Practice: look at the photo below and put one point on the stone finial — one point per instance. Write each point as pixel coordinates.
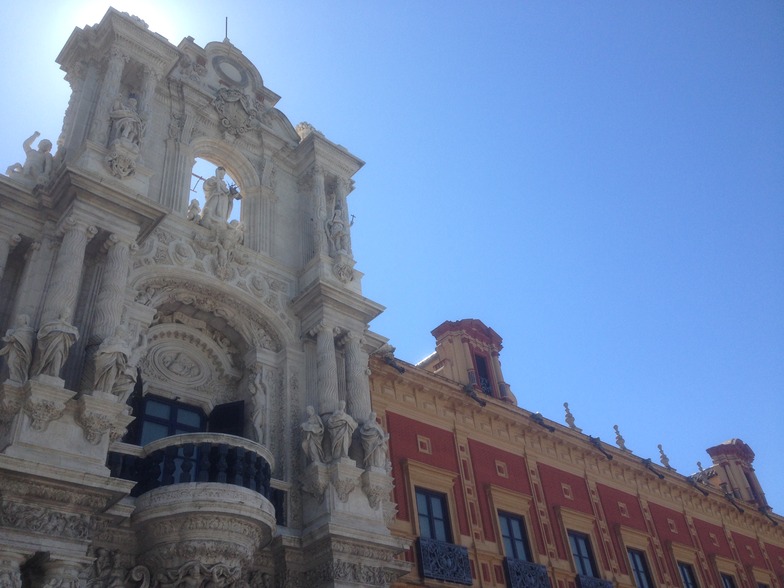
(619, 440)
(570, 418)
(665, 461)
(699, 467)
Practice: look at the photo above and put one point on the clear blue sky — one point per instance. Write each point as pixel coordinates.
(600, 182)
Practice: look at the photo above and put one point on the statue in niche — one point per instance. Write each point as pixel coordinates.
(38, 164)
(219, 198)
(341, 428)
(127, 125)
(313, 436)
(19, 349)
(258, 399)
(338, 231)
(55, 339)
(111, 360)
(374, 443)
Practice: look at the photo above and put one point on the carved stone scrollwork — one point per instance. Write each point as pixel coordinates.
(42, 411)
(10, 402)
(376, 486)
(196, 574)
(343, 272)
(94, 423)
(42, 520)
(238, 112)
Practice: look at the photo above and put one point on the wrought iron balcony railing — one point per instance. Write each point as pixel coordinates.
(443, 561)
(525, 574)
(195, 457)
(591, 582)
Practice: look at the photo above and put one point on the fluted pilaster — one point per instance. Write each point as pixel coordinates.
(99, 130)
(326, 368)
(109, 306)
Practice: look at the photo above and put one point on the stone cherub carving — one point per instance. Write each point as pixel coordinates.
(258, 398)
(55, 339)
(111, 360)
(313, 436)
(18, 349)
(219, 198)
(38, 164)
(341, 427)
(374, 443)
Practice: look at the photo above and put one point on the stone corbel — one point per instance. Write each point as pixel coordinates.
(97, 416)
(44, 403)
(11, 398)
(315, 481)
(376, 485)
(344, 477)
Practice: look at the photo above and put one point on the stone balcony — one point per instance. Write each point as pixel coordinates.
(199, 496)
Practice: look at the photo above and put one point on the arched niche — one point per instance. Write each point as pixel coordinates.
(222, 153)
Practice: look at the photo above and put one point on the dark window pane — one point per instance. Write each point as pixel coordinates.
(152, 432)
(687, 575)
(433, 520)
(727, 581)
(581, 551)
(514, 537)
(642, 576)
(188, 417)
(157, 409)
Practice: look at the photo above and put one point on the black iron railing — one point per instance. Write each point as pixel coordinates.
(591, 582)
(524, 574)
(443, 561)
(196, 457)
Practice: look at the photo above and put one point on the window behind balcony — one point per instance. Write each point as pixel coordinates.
(514, 536)
(688, 576)
(433, 515)
(582, 553)
(160, 417)
(640, 571)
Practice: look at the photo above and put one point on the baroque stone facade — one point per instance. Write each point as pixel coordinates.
(160, 355)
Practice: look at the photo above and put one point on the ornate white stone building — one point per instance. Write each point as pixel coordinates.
(160, 361)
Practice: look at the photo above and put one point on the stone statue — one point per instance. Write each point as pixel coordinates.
(126, 122)
(54, 342)
(258, 398)
(374, 443)
(38, 164)
(218, 197)
(341, 427)
(19, 349)
(338, 232)
(313, 436)
(105, 573)
(111, 360)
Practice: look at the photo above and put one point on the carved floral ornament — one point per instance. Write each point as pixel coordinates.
(239, 114)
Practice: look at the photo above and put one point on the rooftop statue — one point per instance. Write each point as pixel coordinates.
(38, 164)
(219, 198)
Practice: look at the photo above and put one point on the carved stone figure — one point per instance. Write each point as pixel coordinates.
(258, 398)
(38, 164)
(19, 349)
(313, 436)
(104, 572)
(341, 427)
(219, 198)
(374, 442)
(111, 360)
(338, 232)
(126, 122)
(54, 342)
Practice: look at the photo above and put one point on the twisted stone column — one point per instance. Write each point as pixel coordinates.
(358, 386)
(326, 365)
(67, 274)
(109, 305)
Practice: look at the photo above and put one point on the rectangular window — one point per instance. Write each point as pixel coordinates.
(433, 515)
(688, 577)
(583, 556)
(482, 371)
(640, 571)
(514, 536)
(161, 418)
(727, 581)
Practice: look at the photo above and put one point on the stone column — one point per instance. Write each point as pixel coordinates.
(319, 211)
(469, 359)
(68, 269)
(326, 365)
(358, 386)
(6, 244)
(109, 306)
(149, 82)
(38, 259)
(341, 191)
(99, 130)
